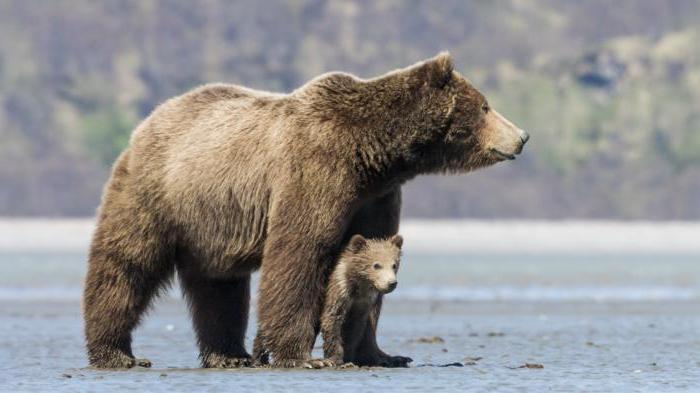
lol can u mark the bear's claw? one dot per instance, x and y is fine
(115, 358)
(304, 363)
(143, 363)
(222, 361)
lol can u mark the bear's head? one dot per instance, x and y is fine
(452, 126)
(374, 262)
(420, 119)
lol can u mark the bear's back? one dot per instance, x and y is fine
(203, 152)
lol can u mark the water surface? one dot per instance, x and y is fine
(602, 322)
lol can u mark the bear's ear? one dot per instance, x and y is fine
(397, 240)
(357, 243)
(437, 71)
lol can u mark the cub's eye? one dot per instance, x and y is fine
(393, 266)
(485, 108)
(377, 266)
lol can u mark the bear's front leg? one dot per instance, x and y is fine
(291, 292)
(299, 252)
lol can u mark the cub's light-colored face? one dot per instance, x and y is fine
(378, 260)
(383, 275)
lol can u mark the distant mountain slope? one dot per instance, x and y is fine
(610, 91)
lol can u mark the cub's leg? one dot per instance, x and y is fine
(377, 219)
(260, 355)
(368, 352)
(220, 316)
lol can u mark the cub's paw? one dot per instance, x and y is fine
(395, 361)
(304, 363)
(348, 365)
(261, 363)
(222, 361)
(384, 361)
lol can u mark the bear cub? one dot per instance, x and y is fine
(365, 271)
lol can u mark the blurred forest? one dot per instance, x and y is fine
(609, 91)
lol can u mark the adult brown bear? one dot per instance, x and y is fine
(224, 180)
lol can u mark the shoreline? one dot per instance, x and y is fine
(434, 236)
(540, 310)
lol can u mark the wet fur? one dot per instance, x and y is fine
(224, 180)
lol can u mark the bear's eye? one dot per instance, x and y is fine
(377, 266)
(485, 108)
(393, 266)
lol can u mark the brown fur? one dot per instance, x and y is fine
(365, 271)
(353, 290)
(224, 180)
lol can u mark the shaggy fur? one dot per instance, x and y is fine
(224, 180)
(365, 271)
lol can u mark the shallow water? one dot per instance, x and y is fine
(594, 322)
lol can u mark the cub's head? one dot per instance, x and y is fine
(453, 127)
(375, 261)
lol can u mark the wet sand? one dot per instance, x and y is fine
(602, 307)
(582, 346)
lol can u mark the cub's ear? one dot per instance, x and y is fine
(436, 71)
(357, 243)
(397, 240)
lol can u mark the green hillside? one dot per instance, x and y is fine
(609, 91)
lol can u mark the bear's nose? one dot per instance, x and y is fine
(392, 285)
(524, 136)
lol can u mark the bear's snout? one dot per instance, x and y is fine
(502, 138)
(524, 136)
(388, 287)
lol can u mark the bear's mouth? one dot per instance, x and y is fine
(502, 155)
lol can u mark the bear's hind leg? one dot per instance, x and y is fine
(118, 291)
(220, 316)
